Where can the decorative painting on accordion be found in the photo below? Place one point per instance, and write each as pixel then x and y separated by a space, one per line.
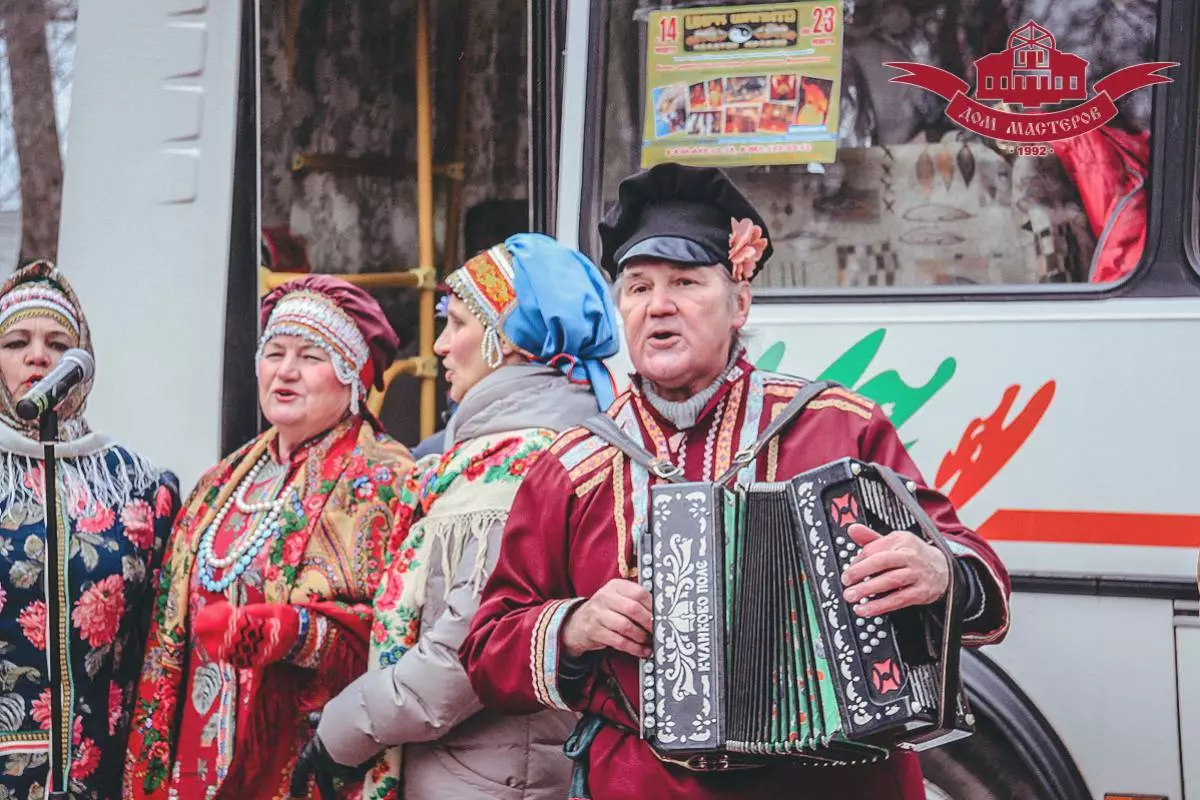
pixel 755 651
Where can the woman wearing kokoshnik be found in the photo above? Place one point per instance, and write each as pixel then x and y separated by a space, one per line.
pixel 528 323
pixel 115 511
pixel 263 610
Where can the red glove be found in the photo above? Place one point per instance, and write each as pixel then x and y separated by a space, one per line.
pixel 250 636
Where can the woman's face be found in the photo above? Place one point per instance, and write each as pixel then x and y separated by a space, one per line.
pixel 459 349
pixel 297 388
pixel 29 350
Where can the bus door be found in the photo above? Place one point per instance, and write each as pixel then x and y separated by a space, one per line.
pixel 146 217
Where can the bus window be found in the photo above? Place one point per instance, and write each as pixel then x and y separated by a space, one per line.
pixel 339 145
pixel 36 68
pixel 913 200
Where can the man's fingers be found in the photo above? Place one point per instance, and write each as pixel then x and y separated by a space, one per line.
pixel 877 585
pixel 874 564
pixel 634 611
pixel 610 638
pixel 631 590
pixel 862 535
pixel 891 602
pixel 622 625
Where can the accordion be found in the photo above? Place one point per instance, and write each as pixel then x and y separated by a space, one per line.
pixel 755 651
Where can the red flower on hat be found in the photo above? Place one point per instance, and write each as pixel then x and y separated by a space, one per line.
pixel 746 247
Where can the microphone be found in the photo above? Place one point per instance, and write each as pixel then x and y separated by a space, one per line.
pixel 75 367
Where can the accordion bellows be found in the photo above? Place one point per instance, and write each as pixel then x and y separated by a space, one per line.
pixel 756 653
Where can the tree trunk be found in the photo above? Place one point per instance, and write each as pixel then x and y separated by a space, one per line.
pixel 35 128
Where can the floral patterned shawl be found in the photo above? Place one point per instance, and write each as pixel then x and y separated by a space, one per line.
pixel 327 553
pixel 446 500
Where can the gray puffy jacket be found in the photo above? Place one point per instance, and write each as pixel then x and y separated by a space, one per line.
pixel 454 749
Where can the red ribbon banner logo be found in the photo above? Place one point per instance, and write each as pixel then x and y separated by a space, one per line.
pixel 1030 73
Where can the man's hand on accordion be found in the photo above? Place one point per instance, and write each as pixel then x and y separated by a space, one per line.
pixel 893 572
pixel 617 616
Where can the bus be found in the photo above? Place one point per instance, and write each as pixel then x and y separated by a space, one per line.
pixel 1024 316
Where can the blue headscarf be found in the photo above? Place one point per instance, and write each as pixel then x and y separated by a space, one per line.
pixel 550 301
pixel 564 315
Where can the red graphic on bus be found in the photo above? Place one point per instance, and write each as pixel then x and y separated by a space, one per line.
pixel 1030 73
pixel 988 444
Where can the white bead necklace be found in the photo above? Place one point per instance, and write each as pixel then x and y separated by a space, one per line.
pixel 247 547
pixel 240 495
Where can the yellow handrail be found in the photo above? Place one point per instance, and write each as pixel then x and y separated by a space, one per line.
pixel 425 210
pixel 415 366
pixel 424 279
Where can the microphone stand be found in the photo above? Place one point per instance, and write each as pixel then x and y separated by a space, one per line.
pixel 57 615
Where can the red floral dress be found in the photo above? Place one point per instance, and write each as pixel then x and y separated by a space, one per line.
pixel 205 730
pixel 110 557
pixel 207 738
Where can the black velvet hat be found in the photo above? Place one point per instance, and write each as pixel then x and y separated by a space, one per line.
pixel 685 215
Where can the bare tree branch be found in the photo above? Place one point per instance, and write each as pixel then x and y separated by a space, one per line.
pixel 34 126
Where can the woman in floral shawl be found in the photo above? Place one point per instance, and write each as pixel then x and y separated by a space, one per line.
pixel 263 610
pixel 528 323
pixel 118 510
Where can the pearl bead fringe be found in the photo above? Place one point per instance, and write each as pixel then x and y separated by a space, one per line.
pixel 244 551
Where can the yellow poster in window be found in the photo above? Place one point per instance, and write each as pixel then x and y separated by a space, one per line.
pixel 743 85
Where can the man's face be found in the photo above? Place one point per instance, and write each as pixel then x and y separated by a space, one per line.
pixel 680 323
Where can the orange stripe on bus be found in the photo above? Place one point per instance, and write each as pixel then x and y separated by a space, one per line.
pixel 1092 527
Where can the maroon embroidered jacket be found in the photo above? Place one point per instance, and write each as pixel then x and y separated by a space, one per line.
pixel 573 527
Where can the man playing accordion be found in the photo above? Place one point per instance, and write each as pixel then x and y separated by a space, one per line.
pixel 564 620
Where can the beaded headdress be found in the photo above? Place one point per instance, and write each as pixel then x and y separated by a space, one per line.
pixel 318 320
pixel 486 285
pixel 38 299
